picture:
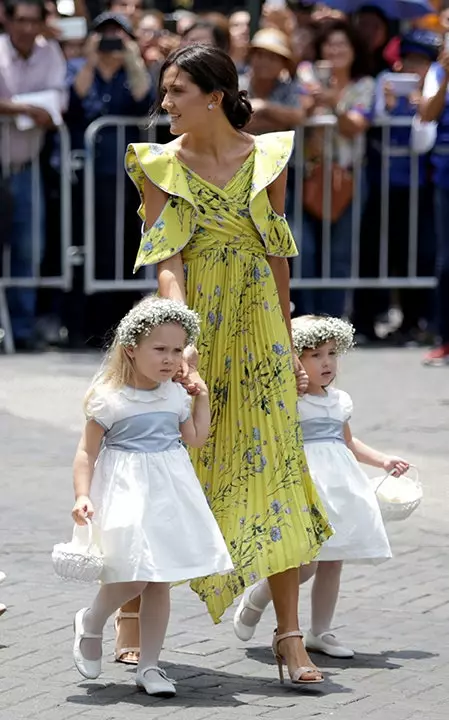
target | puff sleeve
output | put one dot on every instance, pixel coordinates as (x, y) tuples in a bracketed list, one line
[(185, 405), (176, 224), (273, 153), (101, 409), (346, 405)]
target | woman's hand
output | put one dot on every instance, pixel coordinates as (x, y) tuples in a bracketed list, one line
[(188, 371), (83, 508), (395, 465), (301, 377)]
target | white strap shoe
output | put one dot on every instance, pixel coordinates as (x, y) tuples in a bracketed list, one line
[(328, 644), (155, 681), (89, 669), (245, 632)]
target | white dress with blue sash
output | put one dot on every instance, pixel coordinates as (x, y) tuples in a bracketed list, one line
[(152, 521), (344, 488)]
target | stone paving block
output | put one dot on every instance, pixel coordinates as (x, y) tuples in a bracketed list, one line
[(395, 615)]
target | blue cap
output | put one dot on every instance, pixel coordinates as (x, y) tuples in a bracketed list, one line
[(111, 18), (423, 42)]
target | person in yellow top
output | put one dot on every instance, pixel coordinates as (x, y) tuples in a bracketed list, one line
[(212, 202)]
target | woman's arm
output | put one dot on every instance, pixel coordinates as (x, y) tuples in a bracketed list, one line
[(279, 266), (435, 95), (170, 272)]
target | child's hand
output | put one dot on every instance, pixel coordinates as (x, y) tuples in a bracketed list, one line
[(389, 97), (396, 466), (195, 384), (83, 508), (301, 377)]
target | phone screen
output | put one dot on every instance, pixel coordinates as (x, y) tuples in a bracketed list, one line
[(110, 44)]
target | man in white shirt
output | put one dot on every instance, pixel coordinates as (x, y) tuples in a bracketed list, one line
[(28, 64)]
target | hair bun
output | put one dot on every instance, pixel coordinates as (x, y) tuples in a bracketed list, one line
[(241, 110)]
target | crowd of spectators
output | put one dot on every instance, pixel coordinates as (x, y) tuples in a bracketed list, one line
[(305, 60)]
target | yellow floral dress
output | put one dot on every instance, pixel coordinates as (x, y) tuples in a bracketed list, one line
[(253, 468)]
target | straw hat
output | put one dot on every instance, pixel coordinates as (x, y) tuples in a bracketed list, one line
[(273, 41)]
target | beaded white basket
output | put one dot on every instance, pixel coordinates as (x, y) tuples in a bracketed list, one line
[(72, 561), (398, 497)]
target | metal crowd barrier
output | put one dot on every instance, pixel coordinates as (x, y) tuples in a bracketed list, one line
[(146, 280), (32, 277)]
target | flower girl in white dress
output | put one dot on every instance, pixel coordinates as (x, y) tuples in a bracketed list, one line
[(333, 455), (134, 478)]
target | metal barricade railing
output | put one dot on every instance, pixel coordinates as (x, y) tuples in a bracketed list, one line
[(30, 276), (147, 279)]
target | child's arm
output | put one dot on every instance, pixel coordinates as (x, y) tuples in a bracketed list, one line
[(195, 430), (369, 456), (83, 469)]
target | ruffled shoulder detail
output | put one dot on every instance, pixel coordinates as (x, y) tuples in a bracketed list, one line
[(176, 224), (273, 151)]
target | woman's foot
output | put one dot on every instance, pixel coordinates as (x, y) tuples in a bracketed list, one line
[(328, 644), (289, 649), (127, 649)]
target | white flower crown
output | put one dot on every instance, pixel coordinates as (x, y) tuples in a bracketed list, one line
[(153, 312), (309, 332)]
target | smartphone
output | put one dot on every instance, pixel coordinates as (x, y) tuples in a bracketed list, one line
[(110, 44), (170, 23), (402, 84), (323, 71), (71, 28)]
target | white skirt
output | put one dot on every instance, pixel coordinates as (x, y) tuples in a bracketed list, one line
[(351, 505), (151, 519)]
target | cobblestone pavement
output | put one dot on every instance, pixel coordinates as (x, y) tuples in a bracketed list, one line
[(395, 615)]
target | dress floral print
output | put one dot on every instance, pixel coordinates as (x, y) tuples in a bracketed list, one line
[(253, 468)]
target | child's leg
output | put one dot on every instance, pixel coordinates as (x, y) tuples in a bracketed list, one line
[(154, 616), (326, 587), (325, 591), (108, 599), (259, 597)]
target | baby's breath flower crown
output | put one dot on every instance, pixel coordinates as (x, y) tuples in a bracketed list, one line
[(309, 332), (153, 312)]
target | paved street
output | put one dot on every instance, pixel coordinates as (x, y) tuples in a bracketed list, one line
[(395, 615)]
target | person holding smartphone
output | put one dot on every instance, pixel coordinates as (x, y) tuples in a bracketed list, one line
[(398, 95), (111, 80), (434, 106)]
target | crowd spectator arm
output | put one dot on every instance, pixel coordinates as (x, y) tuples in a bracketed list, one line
[(273, 116), (351, 121), (138, 75), (435, 93)]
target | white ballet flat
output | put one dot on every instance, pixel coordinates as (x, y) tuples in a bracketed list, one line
[(327, 644), (89, 669), (245, 632), (155, 681)]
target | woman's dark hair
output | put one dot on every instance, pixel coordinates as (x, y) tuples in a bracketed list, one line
[(219, 34), (211, 69), (360, 66)]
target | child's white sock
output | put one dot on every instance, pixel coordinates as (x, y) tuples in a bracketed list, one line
[(108, 599), (154, 616), (326, 587)]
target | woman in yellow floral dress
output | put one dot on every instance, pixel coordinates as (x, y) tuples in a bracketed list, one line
[(212, 202)]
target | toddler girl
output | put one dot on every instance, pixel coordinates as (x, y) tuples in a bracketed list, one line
[(333, 455), (134, 477)]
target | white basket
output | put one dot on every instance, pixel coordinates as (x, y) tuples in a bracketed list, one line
[(74, 562), (398, 497)]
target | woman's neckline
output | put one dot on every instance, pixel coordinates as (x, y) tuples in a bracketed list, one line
[(208, 182)]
